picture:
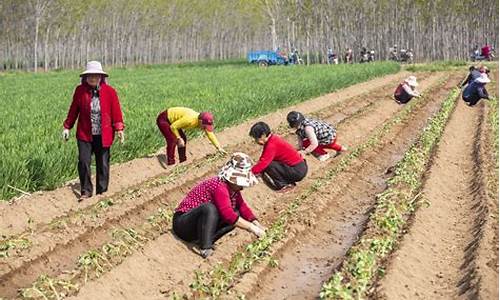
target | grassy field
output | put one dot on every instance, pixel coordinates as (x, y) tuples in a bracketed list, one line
[(34, 157)]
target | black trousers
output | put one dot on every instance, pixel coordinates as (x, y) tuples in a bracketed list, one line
[(277, 175), (102, 156), (201, 224)]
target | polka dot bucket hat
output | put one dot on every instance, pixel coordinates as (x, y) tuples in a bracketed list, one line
[(238, 170)]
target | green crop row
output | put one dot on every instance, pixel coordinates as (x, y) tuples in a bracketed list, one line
[(216, 282), (363, 262), (34, 157)]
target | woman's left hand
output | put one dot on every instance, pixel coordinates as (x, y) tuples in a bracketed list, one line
[(121, 136)]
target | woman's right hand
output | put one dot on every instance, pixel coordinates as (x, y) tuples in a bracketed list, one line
[(65, 134), (259, 232)]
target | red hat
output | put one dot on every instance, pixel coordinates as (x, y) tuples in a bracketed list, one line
[(207, 119)]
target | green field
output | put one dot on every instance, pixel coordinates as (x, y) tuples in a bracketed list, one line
[(34, 157)]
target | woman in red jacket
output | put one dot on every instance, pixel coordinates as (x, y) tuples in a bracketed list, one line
[(97, 108)]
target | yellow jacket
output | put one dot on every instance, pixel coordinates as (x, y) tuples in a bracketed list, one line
[(186, 118)]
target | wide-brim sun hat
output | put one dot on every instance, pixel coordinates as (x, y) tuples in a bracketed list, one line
[(94, 67), (483, 78), (238, 170), (412, 81)]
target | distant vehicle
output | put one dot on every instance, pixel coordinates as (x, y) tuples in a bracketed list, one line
[(266, 58)]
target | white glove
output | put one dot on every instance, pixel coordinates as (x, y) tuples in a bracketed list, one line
[(65, 134)]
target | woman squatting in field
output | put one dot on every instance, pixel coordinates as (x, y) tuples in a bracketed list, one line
[(171, 123), (314, 136), (406, 90), (476, 90), (280, 165), (215, 206), (96, 106)]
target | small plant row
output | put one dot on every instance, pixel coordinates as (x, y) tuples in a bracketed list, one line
[(363, 263), (19, 243), (218, 281), (95, 262)]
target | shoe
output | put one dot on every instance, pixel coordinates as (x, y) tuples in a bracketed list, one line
[(286, 188), (206, 252), (84, 196), (323, 157)]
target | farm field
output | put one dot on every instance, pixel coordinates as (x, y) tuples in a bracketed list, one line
[(35, 158), (417, 190)]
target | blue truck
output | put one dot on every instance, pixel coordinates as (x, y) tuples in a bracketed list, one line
[(266, 58)]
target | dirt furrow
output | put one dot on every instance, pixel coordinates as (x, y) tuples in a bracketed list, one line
[(165, 263), (333, 223), (61, 246), (42, 207), (441, 245)]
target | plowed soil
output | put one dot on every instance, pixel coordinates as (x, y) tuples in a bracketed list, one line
[(60, 230)]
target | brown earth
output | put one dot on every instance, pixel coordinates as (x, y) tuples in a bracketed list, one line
[(61, 229), (42, 207), (145, 275), (309, 258), (444, 255), (56, 249)]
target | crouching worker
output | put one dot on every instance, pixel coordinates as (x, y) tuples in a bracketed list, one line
[(476, 90), (280, 165), (174, 120), (406, 90), (215, 206), (314, 136)]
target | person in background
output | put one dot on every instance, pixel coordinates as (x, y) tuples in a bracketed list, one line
[(172, 123), (406, 90), (476, 90), (280, 165), (215, 206), (314, 136), (97, 107)]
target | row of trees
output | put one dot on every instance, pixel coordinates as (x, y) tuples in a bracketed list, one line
[(52, 34)]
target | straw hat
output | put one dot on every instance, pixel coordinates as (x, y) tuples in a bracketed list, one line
[(238, 170), (93, 67), (412, 81)]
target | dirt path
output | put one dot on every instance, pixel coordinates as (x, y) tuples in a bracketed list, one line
[(309, 259), (437, 259), (56, 248), (165, 265), (42, 207)]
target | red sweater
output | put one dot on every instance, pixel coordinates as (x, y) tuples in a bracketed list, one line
[(216, 191), (276, 148), (111, 113)]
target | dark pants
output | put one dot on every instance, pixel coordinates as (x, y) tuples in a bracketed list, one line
[(471, 100), (282, 175), (404, 97), (102, 156), (164, 126), (201, 224)]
